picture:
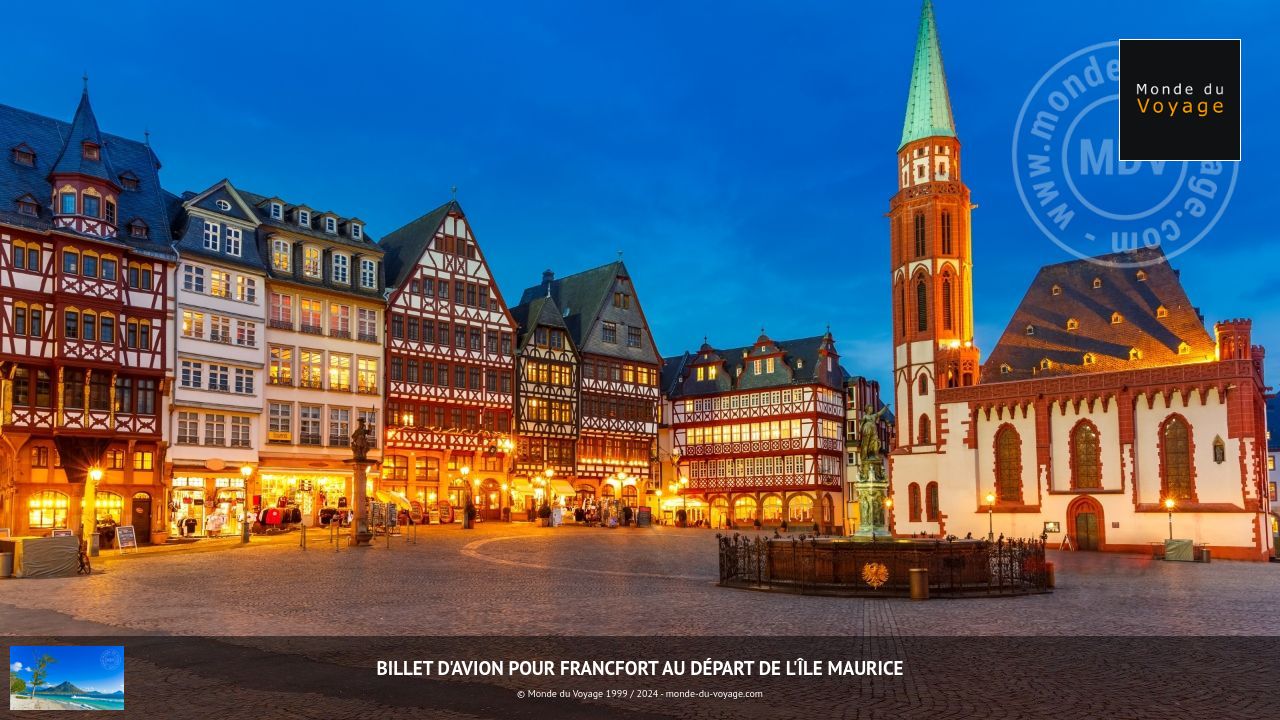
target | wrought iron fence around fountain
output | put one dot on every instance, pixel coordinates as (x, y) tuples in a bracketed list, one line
[(880, 568)]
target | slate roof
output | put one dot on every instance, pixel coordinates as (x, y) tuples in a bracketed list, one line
[(404, 247), (1121, 290), (928, 102), (580, 297), (84, 128), (266, 223), (189, 235), (540, 311), (48, 137), (800, 357), (1273, 423)]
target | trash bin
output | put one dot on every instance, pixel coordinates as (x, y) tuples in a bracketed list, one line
[(1204, 555), (95, 543), (6, 565), (919, 583)]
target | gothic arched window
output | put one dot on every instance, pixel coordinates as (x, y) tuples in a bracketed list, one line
[(922, 305), (1008, 465), (913, 502), (1086, 462), (945, 229), (931, 502), (924, 431), (920, 242), (1175, 459), (924, 384), (946, 301)]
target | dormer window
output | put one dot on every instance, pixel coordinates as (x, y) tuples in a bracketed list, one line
[(1089, 359), (1184, 349), (139, 229), (1162, 312), (1005, 369), (1031, 329), (1097, 283), (304, 218), (357, 232), (91, 151), (1116, 318), (92, 205), (330, 225), (311, 262), (1057, 290), (1073, 324), (24, 155), (277, 211), (368, 274), (128, 180), (1141, 275), (223, 205), (1045, 364), (1135, 354), (281, 254), (341, 269), (27, 206)]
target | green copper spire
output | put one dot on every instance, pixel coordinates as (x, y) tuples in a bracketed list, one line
[(928, 104)]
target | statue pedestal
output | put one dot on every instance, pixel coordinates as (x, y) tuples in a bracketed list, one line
[(360, 534), (874, 516)]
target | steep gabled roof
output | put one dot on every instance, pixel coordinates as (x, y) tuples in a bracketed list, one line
[(404, 247), (1155, 318), (541, 311), (579, 297), (928, 102), (801, 358)]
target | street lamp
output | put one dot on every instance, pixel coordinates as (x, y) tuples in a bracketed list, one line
[(991, 506), (546, 492), (1168, 505), (468, 509), (684, 496), (246, 471)]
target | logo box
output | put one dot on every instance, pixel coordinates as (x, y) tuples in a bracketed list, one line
[(1180, 100)]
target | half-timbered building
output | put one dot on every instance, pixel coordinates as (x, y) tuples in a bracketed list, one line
[(758, 433), (546, 408), (449, 368), (1106, 411), (618, 384), (215, 424), (323, 352), (85, 263)]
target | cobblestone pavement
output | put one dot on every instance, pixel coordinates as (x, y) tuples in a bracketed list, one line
[(591, 593), (519, 579)]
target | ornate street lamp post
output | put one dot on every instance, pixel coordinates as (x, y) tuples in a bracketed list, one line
[(469, 507), (991, 506)]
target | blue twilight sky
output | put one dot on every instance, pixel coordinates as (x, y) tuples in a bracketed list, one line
[(741, 154), (85, 666)]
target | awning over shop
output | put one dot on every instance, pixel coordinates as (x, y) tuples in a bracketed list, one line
[(522, 485), (562, 487), (387, 496)]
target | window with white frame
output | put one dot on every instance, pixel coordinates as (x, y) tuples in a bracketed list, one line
[(280, 422), (215, 429), (220, 378), (244, 381), (193, 278), (277, 211), (367, 326), (188, 428), (304, 218), (240, 432), (246, 289), (192, 374), (339, 320), (311, 262), (212, 235), (192, 324), (234, 243), (220, 284), (341, 269), (339, 426), (357, 231), (246, 333), (309, 420), (368, 274), (220, 329), (281, 255), (330, 225)]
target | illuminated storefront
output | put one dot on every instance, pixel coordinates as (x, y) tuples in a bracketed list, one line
[(206, 506), (310, 492)]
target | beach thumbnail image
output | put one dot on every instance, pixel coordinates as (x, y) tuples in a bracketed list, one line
[(66, 677)]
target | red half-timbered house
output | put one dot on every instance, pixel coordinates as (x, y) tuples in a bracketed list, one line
[(85, 237), (758, 433), (449, 360)]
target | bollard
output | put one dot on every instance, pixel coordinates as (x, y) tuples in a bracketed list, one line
[(302, 541), (1048, 574), (919, 583)]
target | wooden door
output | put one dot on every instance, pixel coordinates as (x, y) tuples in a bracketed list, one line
[(1086, 531), (141, 517)]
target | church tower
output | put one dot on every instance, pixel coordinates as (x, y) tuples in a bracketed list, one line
[(929, 228)]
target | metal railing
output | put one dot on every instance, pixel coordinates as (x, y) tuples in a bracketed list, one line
[(814, 566)]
